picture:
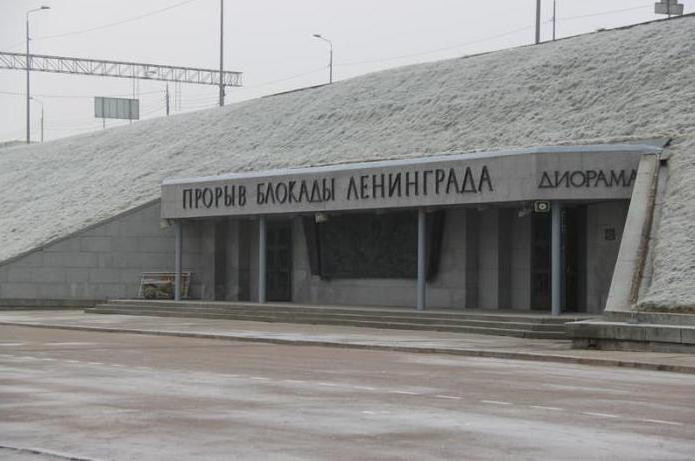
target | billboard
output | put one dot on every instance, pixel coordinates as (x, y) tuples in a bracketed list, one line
[(670, 7), (128, 109)]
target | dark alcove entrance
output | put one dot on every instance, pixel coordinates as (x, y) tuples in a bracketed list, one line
[(279, 260), (573, 260)]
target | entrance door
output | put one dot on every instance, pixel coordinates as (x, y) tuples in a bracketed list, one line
[(279, 260), (540, 261), (574, 258), (573, 247)]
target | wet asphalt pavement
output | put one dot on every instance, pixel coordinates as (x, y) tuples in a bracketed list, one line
[(90, 395)]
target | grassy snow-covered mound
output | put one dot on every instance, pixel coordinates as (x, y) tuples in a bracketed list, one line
[(621, 84)]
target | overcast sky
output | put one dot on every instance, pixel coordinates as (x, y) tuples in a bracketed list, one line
[(270, 41)]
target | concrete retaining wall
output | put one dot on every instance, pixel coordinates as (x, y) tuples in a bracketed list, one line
[(102, 262)]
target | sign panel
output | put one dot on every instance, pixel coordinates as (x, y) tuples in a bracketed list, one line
[(121, 108), (671, 7), (582, 173)]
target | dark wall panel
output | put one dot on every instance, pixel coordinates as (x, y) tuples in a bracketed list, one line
[(370, 245)]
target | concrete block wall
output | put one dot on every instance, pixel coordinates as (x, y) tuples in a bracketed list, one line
[(102, 262)]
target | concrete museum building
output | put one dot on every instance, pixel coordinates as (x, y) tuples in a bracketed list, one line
[(556, 178)]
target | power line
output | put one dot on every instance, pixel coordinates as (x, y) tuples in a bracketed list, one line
[(492, 37), (206, 102), (117, 23), (103, 26), (76, 96), (423, 53), (437, 50), (287, 78), (604, 13), (15, 45)]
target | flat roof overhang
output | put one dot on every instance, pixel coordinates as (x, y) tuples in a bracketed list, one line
[(589, 172)]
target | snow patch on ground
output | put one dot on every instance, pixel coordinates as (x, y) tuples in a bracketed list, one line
[(614, 85)]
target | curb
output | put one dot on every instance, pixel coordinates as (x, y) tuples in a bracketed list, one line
[(508, 355)]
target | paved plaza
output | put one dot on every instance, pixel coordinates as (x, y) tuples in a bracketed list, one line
[(92, 395), (474, 345)]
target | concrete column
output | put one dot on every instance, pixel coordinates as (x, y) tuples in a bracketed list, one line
[(556, 259), (178, 250), (262, 264), (421, 258)]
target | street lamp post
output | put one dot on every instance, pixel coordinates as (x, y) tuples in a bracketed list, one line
[(29, 67), (330, 62)]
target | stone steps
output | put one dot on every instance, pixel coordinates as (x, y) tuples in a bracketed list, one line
[(315, 316), (500, 316), (357, 323), (525, 326)]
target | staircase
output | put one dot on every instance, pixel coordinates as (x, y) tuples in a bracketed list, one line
[(507, 323)]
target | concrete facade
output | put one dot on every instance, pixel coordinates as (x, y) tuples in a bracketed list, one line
[(455, 286), (104, 261), (485, 262)]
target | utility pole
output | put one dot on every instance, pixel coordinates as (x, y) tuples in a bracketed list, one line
[(167, 99), (28, 90), (538, 21), (42, 123), (221, 52), (554, 17)]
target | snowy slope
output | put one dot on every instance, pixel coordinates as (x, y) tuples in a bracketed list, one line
[(615, 85)]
